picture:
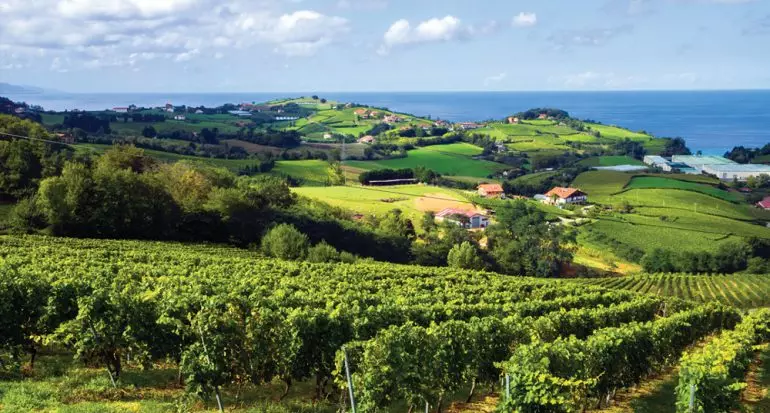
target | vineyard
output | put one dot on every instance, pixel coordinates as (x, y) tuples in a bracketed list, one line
[(743, 291), (224, 326)]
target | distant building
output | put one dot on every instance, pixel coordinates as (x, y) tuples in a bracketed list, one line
[(657, 161), (362, 113), (169, 107), (242, 113), (286, 118), (65, 138), (179, 117), (120, 109), (198, 112), (327, 135), (543, 116), (392, 119), (463, 218), (765, 203), (513, 120), (491, 191), (739, 172), (699, 161), (469, 125), (561, 196), (368, 139)]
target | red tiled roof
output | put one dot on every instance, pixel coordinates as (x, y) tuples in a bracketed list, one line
[(491, 188), (765, 203), (564, 193), (454, 211)]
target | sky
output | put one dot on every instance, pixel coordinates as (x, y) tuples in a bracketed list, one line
[(384, 45)]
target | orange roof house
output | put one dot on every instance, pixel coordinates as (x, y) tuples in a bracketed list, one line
[(491, 190), (367, 139), (464, 218), (560, 195)]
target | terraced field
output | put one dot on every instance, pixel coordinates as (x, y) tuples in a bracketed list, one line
[(744, 291), (649, 182)]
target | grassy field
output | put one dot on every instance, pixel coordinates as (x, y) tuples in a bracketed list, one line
[(312, 172), (649, 182), (610, 161), (614, 132), (600, 185), (740, 290), (443, 159), (413, 200)]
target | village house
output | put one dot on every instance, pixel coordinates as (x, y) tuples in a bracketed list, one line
[(120, 109), (464, 218), (391, 119), (543, 116), (327, 135), (65, 138), (179, 117), (513, 120), (169, 107), (561, 196), (469, 125), (362, 113), (368, 139), (765, 203), (491, 191)]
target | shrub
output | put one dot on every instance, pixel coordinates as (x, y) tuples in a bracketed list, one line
[(286, 242), (322, 252)]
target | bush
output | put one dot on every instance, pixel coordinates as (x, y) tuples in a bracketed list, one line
[(465, 256), (286, 242), (322, 252), (26, 217)]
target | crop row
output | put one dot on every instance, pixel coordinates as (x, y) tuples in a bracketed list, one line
[(740, 290)]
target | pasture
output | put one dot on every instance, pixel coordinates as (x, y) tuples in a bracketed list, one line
[(413, 200), (610, 161), (443, 160), (312, 172)]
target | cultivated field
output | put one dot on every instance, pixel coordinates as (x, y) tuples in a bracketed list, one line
[(744, 291)]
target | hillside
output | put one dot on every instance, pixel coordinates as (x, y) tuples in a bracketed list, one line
[(266, 321)]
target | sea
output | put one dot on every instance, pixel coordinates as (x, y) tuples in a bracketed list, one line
[(710, 121)]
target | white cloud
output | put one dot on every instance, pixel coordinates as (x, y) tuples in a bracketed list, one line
[(443, 29), (495, 78), (525, 19), (99, 33)]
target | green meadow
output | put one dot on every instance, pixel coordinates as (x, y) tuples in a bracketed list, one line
[(444, 159), (611, 161), (649, 182)]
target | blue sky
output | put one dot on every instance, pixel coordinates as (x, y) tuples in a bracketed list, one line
[(384, 45)]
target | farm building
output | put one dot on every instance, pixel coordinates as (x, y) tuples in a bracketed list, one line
[(657, 161), (120, 110), (699, 161), (469, 125), (466, 219), (239, 113), (513, 120), (561, 196), (739, 172), (491, 191), (179, 117), (765, 203), (367, 139)]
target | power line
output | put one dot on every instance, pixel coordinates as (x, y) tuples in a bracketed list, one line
[(33, 139)]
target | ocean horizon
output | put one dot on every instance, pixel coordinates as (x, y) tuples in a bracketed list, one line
[(712, 121)]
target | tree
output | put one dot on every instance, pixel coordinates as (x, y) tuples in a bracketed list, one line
[(149, 132), (26, 216), (334, 174), (465, 256), (286, 242)]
